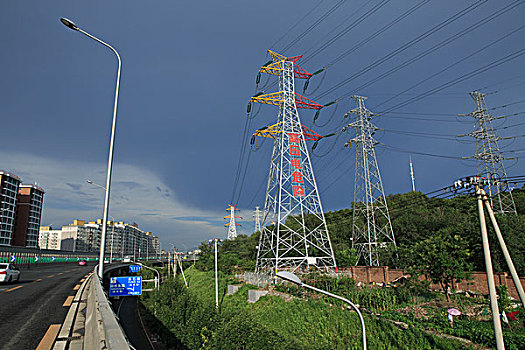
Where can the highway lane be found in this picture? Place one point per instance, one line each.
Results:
(29, 307)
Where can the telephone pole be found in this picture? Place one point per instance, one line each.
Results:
(371, 225)
(489, 158)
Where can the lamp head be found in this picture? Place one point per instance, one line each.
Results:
(288, 276)
(69, 23)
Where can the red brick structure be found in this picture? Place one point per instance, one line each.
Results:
(384, 274)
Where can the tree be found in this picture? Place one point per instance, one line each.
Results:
(442, 259)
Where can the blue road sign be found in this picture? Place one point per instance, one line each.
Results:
(36, 258)
(134, 268)
(122, 286)
(13, 258)
(53, 259)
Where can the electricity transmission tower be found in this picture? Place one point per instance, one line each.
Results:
(257, 217)
(294, 233)
(232, 229)
(488, 156)
(371, 225)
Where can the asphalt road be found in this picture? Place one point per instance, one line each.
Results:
(30, 306)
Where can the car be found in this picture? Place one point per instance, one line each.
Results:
(126, 259)
(82, 263)
(8, 273)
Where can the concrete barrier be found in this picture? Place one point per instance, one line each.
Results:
(90, 323)
(232, 289)
(254, 295)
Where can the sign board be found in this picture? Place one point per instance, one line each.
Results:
(122, 286)
(134, 268)
(36, 258)
(13, 258)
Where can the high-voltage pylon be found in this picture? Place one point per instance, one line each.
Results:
(488, 156)
(232, 225)
(257, 217)
(371, 225)
(294, 233)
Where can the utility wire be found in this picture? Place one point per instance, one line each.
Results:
(313, 25)
(443, 43)
(296, 23)
(347, 29)
(455, 81)
(404, 47)
(376, 34)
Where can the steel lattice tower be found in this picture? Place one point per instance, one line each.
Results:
(257, 217)
(294, 233)
(488, 156)
(371, 225)
(232, 225)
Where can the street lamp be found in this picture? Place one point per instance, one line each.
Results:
(113, 222)
(290, 277)
(157, 285)
(73, 26)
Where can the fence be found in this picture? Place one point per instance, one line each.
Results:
(384, 274)
(257, 279)
(23, 255)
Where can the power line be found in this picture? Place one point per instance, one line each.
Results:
(443, 43)
(347, 29)
(377, 33)
(296, 23)
(315, 24)
(396, 149)
(455, 81)
(404, 47)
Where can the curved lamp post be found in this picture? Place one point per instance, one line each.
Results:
(290, 277)
(73, 26)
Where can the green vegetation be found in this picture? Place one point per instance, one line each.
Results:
(423, 227)
(437, 238)
(271, 323)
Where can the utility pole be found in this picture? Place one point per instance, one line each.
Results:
(477, 183)
(488, 156)
(257, 216)
(292, 196)
(216, 280)
(371, 225)
(412, 176)
(232, 229)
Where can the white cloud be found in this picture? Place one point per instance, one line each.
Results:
(137, 195)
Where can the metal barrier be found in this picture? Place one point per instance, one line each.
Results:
(90, 323)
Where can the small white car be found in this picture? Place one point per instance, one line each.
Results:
(8, 273)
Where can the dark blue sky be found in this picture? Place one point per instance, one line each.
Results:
(189, 69)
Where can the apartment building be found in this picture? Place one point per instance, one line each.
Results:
(49, 238)
(9, 184)
(27, 216)
(121, 238)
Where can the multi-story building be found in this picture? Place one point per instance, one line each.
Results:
(49, 238)
(122, 239)
(27, 216)
(9, 184)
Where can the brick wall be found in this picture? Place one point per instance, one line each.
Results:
(384, 274)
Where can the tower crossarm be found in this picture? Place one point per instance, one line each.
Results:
(277, 99)
(274, 130)
(275, 67)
